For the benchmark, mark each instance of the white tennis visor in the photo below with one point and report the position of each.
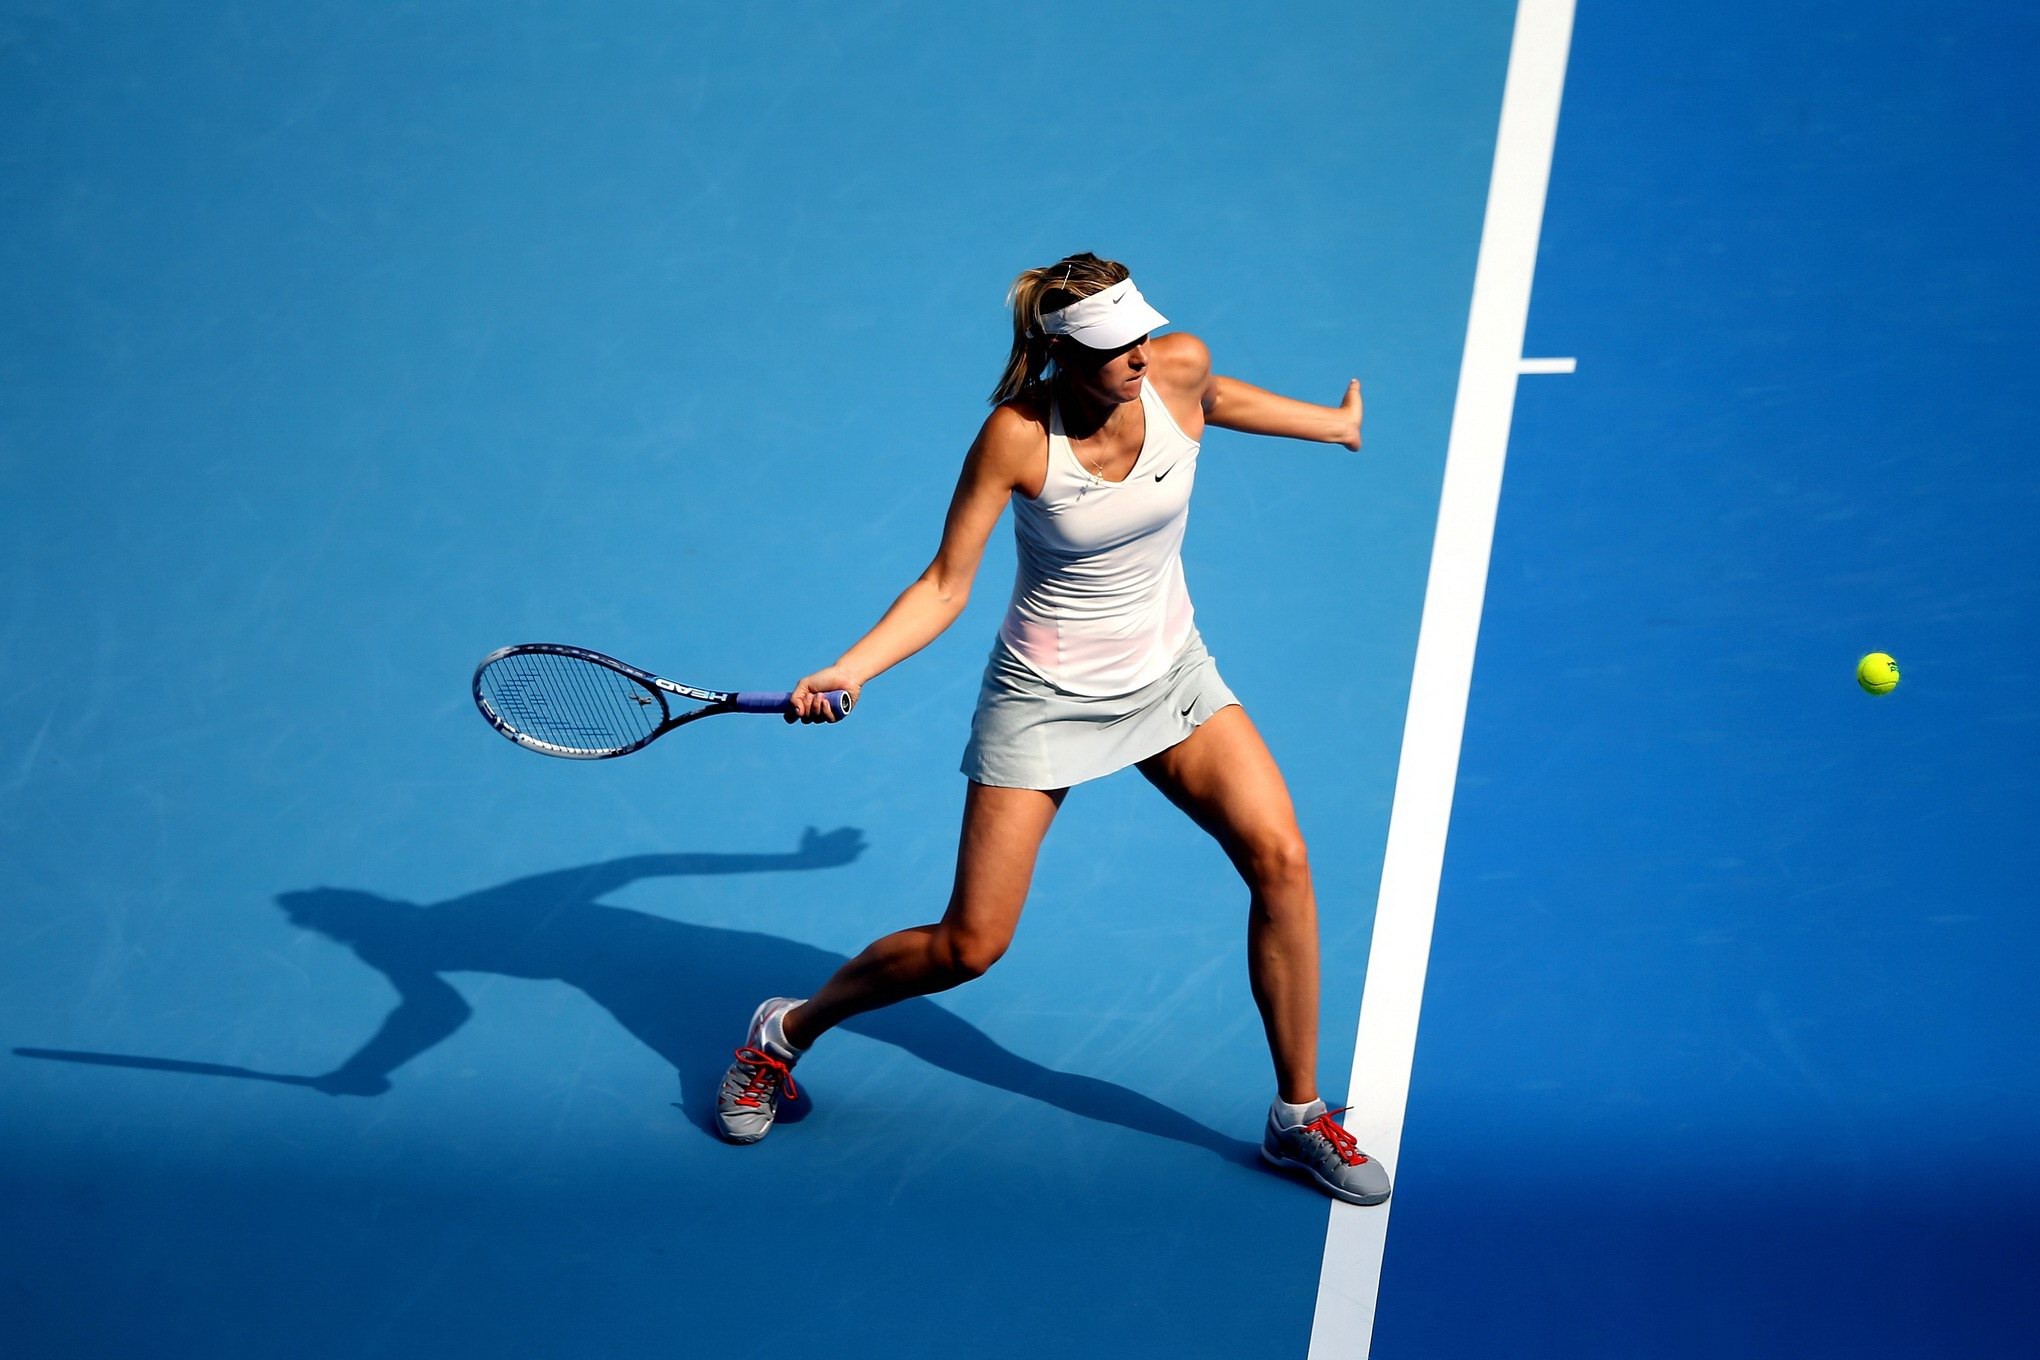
(1106, 320)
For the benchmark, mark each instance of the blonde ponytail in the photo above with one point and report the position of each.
(1045, 290)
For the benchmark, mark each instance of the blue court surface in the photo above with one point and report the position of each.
(346, 343)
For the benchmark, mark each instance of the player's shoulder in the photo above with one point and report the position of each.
(1015, 433)
(1179, 360)
(1021, 421)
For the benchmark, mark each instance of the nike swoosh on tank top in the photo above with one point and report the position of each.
(1100, 606)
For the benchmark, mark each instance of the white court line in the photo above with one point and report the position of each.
(1547, 365)
(1379, 1088)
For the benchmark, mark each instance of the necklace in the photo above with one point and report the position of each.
(1096, 474)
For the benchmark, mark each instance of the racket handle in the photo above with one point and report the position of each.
(766, 701)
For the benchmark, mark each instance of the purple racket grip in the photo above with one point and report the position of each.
(763, 701)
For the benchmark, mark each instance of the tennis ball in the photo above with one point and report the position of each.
(1877, 673)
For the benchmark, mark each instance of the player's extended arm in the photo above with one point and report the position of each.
(1234, 405)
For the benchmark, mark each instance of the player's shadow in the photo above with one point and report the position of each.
(684, 990)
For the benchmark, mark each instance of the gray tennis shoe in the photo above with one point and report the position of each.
(749, 1099)
(1325, 1152)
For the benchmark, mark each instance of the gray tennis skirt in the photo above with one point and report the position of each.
(1028, 734)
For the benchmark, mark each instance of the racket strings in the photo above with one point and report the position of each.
(568, 702)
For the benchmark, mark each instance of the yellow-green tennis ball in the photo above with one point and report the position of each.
(1877, 673)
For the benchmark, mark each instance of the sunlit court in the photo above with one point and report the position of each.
(913, 681)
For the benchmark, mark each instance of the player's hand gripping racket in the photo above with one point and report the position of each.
(571, 702)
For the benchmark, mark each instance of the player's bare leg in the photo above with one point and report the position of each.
(1002, 831)
(995, 856)
(1224, 777)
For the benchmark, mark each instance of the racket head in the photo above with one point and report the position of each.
(570, 702)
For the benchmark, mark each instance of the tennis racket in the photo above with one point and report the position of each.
(582, 705)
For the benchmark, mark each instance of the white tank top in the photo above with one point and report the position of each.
(1099, 603)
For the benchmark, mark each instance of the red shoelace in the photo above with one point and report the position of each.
(766, 1072)
(1343, 1143)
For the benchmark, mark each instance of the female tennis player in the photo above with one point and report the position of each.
(1093, 439)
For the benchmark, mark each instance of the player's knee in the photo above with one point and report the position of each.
(1277, 859)
(967, 954)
